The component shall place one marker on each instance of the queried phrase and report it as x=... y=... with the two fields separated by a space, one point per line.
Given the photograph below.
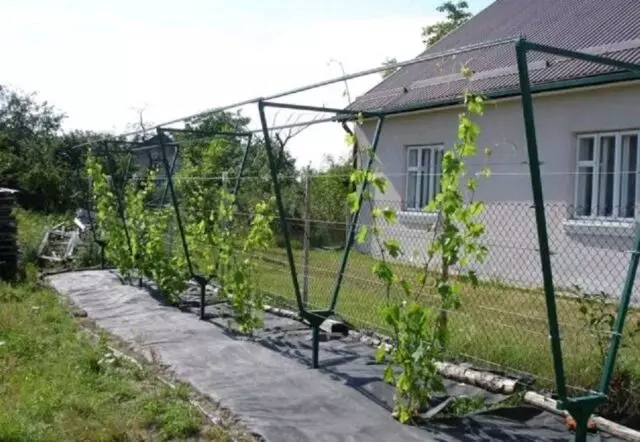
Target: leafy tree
x=328 y=191
x=387 y=62
x=456 y=15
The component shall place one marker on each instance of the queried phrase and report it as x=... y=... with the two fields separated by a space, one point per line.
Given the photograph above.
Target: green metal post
x=118 y=193
x=243 y=163
x=354 y=218
x=541 y=222
x=273 y=169
x=315 y=342
x=621 y=315
x=173 y=166
x=174 y=199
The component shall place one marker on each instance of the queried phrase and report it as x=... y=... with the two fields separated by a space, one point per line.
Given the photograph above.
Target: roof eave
x=555 y=86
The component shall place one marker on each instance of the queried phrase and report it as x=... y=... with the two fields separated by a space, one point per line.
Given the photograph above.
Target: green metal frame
x=201 y=280
x=315 y=317
x=581 y=408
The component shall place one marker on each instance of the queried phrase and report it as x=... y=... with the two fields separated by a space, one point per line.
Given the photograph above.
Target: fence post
x=307 y=233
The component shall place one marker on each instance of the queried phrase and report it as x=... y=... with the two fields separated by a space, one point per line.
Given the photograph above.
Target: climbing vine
x=135 y=234
x=237 y=261
x=419 y=333
x=117 y=250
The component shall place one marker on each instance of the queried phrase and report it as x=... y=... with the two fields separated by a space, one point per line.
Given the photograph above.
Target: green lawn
x=497 y=326
x=58 y=385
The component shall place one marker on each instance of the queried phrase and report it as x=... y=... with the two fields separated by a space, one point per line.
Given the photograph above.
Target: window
x=607 y=175
x=423 y=175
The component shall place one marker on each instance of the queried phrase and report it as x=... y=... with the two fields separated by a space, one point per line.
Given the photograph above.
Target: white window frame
x=595 y=165
x=419 y=169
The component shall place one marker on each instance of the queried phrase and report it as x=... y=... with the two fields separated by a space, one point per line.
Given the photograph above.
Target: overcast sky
x=100 y=61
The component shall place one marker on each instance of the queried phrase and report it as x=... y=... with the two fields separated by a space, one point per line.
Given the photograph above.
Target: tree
x=329 y=189
x=388 y=62
x=36 y=157
x=456 y=15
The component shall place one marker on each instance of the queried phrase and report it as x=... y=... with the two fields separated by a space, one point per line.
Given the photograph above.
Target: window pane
x=413 y=158
x=628 y=170
x=424 y=190
x=425 y=182
x=585 y=191
x=426 y=159
x=585 y=150
x=438 y=172
x=411 y=190
x=606 y=176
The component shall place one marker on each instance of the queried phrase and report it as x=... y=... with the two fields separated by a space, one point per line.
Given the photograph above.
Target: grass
x=498 y=326
x=31 y=227
x=56 y=384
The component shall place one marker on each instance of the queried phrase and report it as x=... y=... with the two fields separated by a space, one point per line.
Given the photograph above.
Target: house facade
x=588 y=130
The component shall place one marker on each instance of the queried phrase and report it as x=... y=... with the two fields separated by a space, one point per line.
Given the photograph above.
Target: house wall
x=594 y=259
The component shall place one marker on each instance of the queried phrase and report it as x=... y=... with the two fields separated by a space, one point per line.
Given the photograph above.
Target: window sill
x=417 y=218
x=619 y=228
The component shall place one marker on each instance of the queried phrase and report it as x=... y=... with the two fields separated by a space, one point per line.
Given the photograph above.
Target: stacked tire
x=8 y=236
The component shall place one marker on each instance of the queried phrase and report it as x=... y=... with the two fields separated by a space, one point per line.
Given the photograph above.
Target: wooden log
x=601 y=423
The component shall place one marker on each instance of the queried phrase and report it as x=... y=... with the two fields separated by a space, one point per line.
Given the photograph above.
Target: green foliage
x=36 y=157
x=109 y=220
x=414 y=354
x=58 y=385
x=238 y=270
x=328 y=189
x=135 y=234
x=456 y=15
x=419 y=335
x=411 y=359
x=459 y=231
x=388 y=62
x=597 y=315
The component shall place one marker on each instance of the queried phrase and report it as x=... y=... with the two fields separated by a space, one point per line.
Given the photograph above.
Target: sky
x=101 y=63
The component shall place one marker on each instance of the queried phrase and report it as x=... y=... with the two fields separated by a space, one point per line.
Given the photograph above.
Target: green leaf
x=393 y=247
x=389 y=376
x=405 y=287
x=418 y=354
x=384 y=272
x=353 y=201
x=485 y=172
x=380 y=183
x=389 y=215
x=381 y=354
x=361 y=235
x=403 y=415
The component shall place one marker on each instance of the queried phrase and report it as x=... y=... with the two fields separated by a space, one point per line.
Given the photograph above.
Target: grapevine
x=420 y=334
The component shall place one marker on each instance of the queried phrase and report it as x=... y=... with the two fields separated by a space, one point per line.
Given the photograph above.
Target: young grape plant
x=222 y=244
x=420 y=334
x=136 y=239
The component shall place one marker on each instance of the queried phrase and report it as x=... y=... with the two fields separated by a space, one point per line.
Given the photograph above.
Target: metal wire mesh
x=502 y=323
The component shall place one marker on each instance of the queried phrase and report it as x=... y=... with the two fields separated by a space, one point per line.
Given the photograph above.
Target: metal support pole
x=114 y=186
x=173 y=166
x=174 y=199
x=305 y=240
x=273 y=169
x=354 y=220
x=243 y=163
x=621 y=315
x=315 y=350
x=541 y=222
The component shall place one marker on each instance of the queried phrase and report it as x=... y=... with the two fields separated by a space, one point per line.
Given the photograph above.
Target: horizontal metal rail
x=342 y=78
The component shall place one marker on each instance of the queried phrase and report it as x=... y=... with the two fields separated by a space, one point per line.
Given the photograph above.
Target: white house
x=588 y=124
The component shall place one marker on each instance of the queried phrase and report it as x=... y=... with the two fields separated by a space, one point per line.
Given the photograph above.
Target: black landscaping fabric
x=266 y=381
